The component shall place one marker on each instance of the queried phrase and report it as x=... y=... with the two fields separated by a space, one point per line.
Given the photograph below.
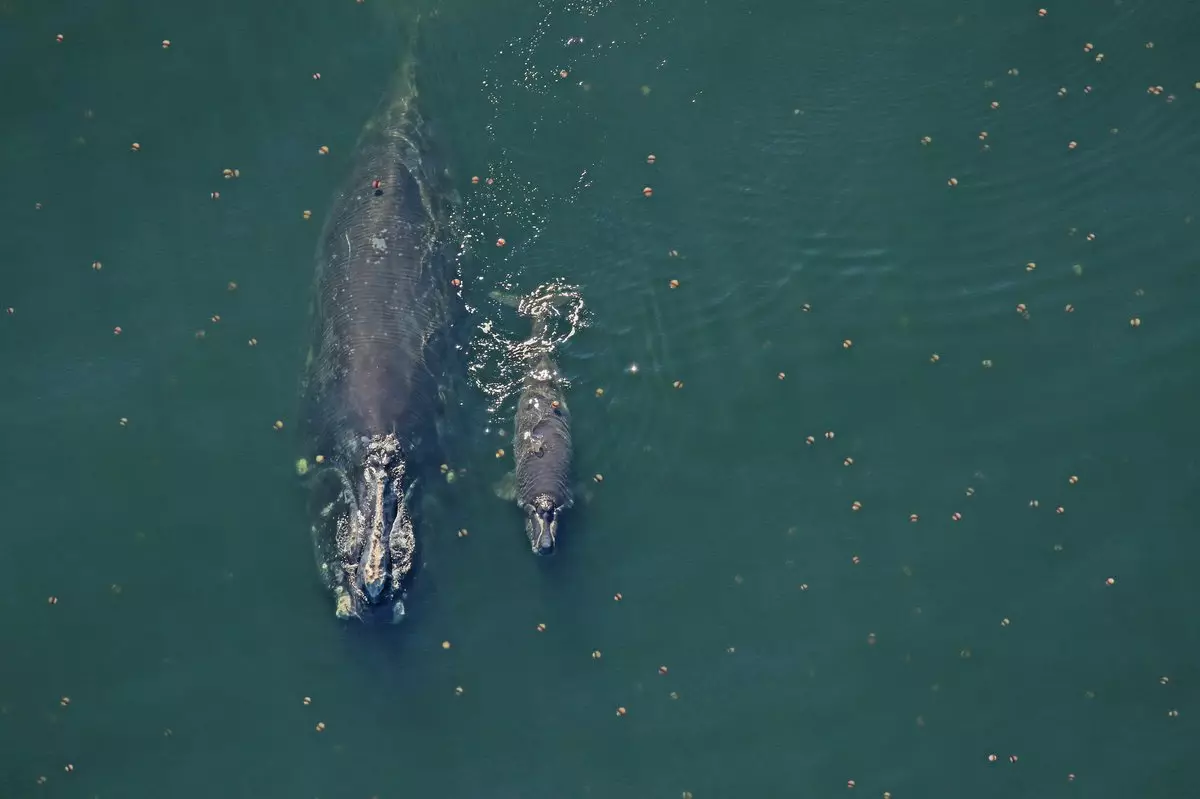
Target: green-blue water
x=806 y=644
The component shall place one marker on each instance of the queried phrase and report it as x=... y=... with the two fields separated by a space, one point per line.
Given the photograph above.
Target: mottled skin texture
x=542 y=449
x=381 y=304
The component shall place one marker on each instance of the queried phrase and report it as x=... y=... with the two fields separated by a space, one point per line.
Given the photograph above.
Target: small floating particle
x=231 y=286
x=307 y=214
x=463 y=533
x=782 y=375
x=1005 y=622
x=69 y=768
x=599 y=478
x=319 y=459
x=1099 y=57
x=316 y=76
x=662 y=670
x=809 y=440
x=673 y=253
x=135 y=146
x=1173 y=713
x=541 y=628
x=829 y=435
x=806 y=307
x=621 y=711
x=1029 y=267
x=1135 y=322
x=97 y=266
x=1111 y=581
x=596 y=654
x=1062 y=91
x=1060 y=510
x=1069 y=308
x=995 y=105
x=308 y=700
x=914 y=518
x=599 y=392
x=1091 y=237
x=678 y=384
x=803 y=586
x=850 y=783
x=323 y=150
x=926 y=140
x=1033 y=503
x=166 y=44
x=970 y=492
x=934 y=358
x=1012 y=758
x=278 y=424
x=490 y=181
x=117 y=330
x=500 y=242
x=848 y=462
x=1042 y=12
x=872 y=639
x=847 y=344
x=445 y=644
x=673 y=283
x=956 y=516
x=1164 y=680
x=53 y=600
x=237 y=173
x=856 y=506
x=647 y=192
x=1021 y=307
x=952 y=182
x=475 y=180
x=252 y=342
x=1087 y=48
x=562 y=73
x=1071 y=145
x=456 y=283
x=987 y=363
x=123 y=421
x=730 y=650
x=1073 y=479
x=216 y=195
x=65 y=701
x=500 y=453
x=58 y=38
x=459 y=690
x=983 y=134
x=320 y=726
x=617 y=597
x=650 y=159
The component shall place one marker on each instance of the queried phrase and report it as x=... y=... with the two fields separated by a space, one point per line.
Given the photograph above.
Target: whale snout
x=541 y=524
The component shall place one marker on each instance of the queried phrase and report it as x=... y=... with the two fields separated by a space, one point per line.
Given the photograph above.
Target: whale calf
x=542 y=446
x=381 y=308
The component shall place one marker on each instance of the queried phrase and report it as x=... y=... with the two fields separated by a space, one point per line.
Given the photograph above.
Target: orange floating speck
x=475 y=179
x=500 y=242
x=307 y=214
x=499 y=453
x=673 y=283
x=847 y=344
x=323 y=150
x=135 y=146
x=621 y=711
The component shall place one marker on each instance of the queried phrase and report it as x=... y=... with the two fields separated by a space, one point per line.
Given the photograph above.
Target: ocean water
x=898 y=486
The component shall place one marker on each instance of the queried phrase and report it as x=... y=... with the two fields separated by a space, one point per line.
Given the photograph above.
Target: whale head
x=541 y=523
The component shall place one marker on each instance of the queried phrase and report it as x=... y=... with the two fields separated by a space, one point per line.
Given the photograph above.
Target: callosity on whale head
x=541 y=523
x=372 y=531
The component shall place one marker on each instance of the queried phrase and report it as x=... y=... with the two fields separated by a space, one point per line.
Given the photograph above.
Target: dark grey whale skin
x=542 y=448
x=381 y=309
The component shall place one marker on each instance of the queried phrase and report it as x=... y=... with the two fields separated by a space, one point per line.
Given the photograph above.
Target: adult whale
x=382 y=310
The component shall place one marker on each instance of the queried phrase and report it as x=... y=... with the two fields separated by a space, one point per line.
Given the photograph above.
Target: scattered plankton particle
x=278 y=424
x=647 y=192
x=952 y=182
x=599 y=478
x=847 y=344
x=621 y=711
x=596 y=654
x=458 y=690
x=307 y=214
x=499 y=453
x=1111 y=581
x=673 y=283
x=782 y=375
x=541 y=628
x=308 y=700
x=320 y=726
x=856 y=506
x=135 y=146
x=166 y=44
x=323 y=150
x=926 y=140
x=1135 y=322
x=445 y=644
x=123 y=421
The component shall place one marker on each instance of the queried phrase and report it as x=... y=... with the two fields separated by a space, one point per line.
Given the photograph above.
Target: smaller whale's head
x=541 y=523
